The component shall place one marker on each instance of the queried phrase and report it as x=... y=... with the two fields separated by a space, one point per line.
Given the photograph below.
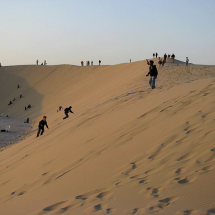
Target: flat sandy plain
x=126 y=150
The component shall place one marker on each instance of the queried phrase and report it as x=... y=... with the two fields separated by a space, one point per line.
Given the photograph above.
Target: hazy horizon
x=68 y=32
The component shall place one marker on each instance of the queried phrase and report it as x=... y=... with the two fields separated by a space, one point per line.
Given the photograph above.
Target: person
x=173 y=57
x=187 y=61
x=18 y=86
x=153 y=55
x=99 y=62
x=45 y=62
x=82 y=63
x=41 y=64
x=165 y=56
x=25 y=108
x=163 y=62
x=153 y=74
x=60 y=107
x=156 y=54
x=160 y=62
x=66 y=111
x=130 y=60
x=20 y=96
x=10 y=103
x=0 y=64
x=91 y=63
x=37 y=62
x=41 y=125
x=29 y=106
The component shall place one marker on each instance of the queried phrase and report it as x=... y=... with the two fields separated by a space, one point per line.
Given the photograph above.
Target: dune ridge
x=126 y=150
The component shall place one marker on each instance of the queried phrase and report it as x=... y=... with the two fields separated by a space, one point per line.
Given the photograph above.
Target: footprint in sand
x=163 y=203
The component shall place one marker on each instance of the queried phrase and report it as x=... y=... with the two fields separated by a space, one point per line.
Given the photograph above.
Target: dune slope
x=126 y=150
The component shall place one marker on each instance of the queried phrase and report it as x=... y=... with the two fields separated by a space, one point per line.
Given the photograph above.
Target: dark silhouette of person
x=153 y=72
x=153 y=55
x=42 y=64
x=99 y=62
x=18 y=86
x=37 y=62
x=25 y=108
x=10 y=103
x=60 y=107
x=66 y=111
x=20 y=96
x=173 y=57
x=29 y=106
x=165 y=56
x=156 y=54
x=41 y=125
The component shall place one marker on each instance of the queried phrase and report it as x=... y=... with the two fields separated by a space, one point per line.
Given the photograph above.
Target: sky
x=113 y=31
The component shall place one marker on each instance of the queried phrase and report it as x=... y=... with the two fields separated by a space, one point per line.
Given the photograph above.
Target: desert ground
x=127 y=149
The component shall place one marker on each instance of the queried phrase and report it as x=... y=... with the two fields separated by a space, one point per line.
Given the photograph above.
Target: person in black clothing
x=99 y=62
x=10 y=103
x=41 y=125
x=66 y=111
x=153 y=72
x=156 y=54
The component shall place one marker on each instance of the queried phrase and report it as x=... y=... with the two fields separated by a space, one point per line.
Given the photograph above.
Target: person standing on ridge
x=66 y=111
x=99 y=62
x=156 y=54
x=37 y=62
x=187 y=61
x=41 y=125
x=153 y=72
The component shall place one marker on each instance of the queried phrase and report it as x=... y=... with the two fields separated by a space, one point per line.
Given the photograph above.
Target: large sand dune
x=126 y=150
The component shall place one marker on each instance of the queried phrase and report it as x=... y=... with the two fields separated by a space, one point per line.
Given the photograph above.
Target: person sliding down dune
x=41 y=125
x=66 y=111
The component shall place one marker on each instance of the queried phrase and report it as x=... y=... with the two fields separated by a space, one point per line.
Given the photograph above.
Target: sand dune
x=126 y=150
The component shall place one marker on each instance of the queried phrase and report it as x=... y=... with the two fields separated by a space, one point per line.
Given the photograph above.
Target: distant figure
x=156 y=54
x=25 y=108
x=82 y=63
x=130 y=60
x=10 y=103
x=18 y=86
x=187 y=61
x=160 y=62
x=41 y=125
x=45 y=62
x=163 y=62
x=14 y=99
x=91 y=63
x=99 y=62
x=20 y=96
x=153 y=55
x=0 y=64
x=37 y=62
x=173 y=57
x=165 y=57
x=60 y=107
x=27 y=120
x=147 y=61
x=153 y=74
x=66 y=111
x=29 y=106
x=42 y=64
x=168 y=56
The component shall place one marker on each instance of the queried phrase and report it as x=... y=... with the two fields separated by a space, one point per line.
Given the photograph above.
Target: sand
x=126 y=150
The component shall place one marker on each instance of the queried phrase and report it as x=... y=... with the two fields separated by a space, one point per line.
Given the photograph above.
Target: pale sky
x=113 y=31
